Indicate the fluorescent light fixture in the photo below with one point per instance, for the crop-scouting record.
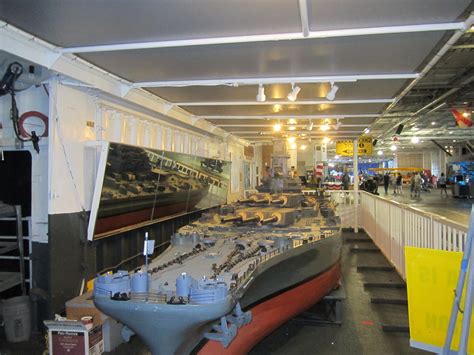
(331, 95)
(277, 127)
(379, 152)
(326, 140)
(393, 147)
(261, 94)
(294, 92)
(415, 140)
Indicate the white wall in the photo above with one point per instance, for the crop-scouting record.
(73, 161)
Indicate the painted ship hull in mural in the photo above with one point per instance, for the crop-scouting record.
(230, 278)
(142, 185)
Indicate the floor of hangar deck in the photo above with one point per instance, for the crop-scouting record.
(454, 209)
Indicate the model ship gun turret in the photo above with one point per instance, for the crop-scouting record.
(206, 283)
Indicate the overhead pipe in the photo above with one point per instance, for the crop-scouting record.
(452, 40)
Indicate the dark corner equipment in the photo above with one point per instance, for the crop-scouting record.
(7, 86)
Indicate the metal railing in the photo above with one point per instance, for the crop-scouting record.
(393, 225)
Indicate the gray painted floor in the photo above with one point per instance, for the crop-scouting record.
(455, 209)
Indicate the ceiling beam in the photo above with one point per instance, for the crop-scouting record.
(296, 116)
(282, 102)
(369, 31)
(292, 125)
(303, 7)
(274, 80)
(326, 133)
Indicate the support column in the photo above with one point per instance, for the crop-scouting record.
(356, 185)
(117, 123)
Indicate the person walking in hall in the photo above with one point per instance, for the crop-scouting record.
(418, 182)
(386, 182)
(346, 180)
(393, 182)
(412, 185)
(399, 182)
(442, 184)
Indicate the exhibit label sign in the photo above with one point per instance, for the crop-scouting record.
(346, 148)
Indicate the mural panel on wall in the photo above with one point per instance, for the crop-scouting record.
(143, 185)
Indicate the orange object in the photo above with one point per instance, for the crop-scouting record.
(270, 314)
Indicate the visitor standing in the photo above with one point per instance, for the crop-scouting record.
(393, 182)
(345, 181)
(399, 183)
(412, 185)
(386, 182)
(442, 184)
(418, 182)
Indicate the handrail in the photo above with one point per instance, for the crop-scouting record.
(435, 216)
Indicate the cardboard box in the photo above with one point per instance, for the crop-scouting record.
(82, 306)
(72, 338)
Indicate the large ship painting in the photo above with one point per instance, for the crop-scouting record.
(145, 184)
(230, 278)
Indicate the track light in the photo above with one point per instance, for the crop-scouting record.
(294, 92)
(326, 140)
(277, 127)
(310, 125)
(367, 130)
(292, 139)
(331, 95)
(337, 125)
(261, 93)
(379, 152)
(393, 147)
(325, 126)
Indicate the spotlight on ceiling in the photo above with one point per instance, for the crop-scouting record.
(310, 125)
(337, 125)
(291, 128)
(292, 139)
(379, 152)
(415, 140)
(326, 140)
(261, 94)
(292, 121)
(393, 147)
(433, 123)
(367, 130)
(331, 95)
(303, 147)
(294, 92)
(277, 127)
(325, 126)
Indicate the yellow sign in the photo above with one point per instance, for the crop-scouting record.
(431, 280)
(346, 148)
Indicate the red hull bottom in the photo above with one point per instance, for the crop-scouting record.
(269, 315)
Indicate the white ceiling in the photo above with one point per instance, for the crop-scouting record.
(281, 41)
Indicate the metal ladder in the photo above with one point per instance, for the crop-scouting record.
(9, 279)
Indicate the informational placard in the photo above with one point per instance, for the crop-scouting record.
(346, 148)
(431, 282)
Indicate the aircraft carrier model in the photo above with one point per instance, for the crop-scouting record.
(230, 278)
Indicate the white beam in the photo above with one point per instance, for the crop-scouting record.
(326, 133)
(303, 6)
(269, 37)
(275, 80)
(283, 102)
(292, 125)
(296, 116)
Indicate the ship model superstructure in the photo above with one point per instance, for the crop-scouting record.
(220, 275)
